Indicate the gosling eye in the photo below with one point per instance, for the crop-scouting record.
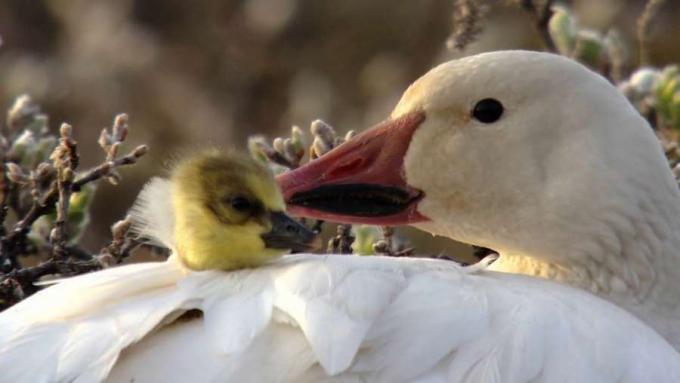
(488, 110)
(242, 204)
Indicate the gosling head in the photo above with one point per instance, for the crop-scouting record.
(229, 213)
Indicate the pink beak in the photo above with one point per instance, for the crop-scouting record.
(360, 181)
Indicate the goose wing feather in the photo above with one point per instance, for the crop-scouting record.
(311, 318)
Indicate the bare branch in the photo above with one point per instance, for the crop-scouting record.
(121, 245)
(644, 26)
(65, 159)
(468, 20)
(4, 198)
(541, 12)
(18, 283)
(342, 242)
(51, 187)
(106, 168)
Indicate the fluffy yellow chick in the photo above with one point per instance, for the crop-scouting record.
(229, 213)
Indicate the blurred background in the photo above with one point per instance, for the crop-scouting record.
(213, 72)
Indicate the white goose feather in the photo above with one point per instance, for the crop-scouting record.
(311, 318)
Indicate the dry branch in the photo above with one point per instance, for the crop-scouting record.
(52, 186)
(541, 12)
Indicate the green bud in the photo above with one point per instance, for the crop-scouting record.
(121, 228)
(323, 131)
(365, 236)
(381, 247)
(21, 113)
(562, 28)
(617, 53)
(120, 128)
(675, 112)
(15, 173)
(320, 146)
(629, 91)
(667, 93)
(44, 172)
(277, 169)
(114, 178)
(140, 151)
(44, 147)
(278, 145)
(338, 141)
(256, 147)
(67, 174)
(23, 148)
(38, 125)
(668, 84)
(66, 130)
(589, 48)
(298, 140)
(289, 151)
(105, 140)
(644, 80)
(40, 230)
(79, 212)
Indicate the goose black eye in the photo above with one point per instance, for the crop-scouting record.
(488, 110)
(241, 204)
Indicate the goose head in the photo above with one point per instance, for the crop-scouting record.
(530, 154)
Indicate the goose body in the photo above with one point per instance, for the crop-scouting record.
(569, 184)
(311, 318)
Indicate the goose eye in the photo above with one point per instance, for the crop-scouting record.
(488, 110)
(241, 204)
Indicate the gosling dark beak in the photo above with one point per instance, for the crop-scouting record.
(287, 233)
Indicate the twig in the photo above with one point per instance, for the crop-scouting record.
(46, 204)
(51, 187)
(26, 276)
(342, 242)
(10, 293)
(325, 139)
(388, 235)
(7, 260)
(288, 152)
(468, 19)
(77, 252)
(121, 245)
(618, 55)
(105, 168)
(644, 24)
(40, 207)
(541, 15)
(18, 283)
(65, 159)
(4, 199)
(387, 246)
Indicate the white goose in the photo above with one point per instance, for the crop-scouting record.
(528, 153)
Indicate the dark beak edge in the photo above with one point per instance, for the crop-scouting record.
(286, 233)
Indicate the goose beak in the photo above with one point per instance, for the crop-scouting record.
(360, 181)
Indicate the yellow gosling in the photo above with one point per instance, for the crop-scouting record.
(229, 213)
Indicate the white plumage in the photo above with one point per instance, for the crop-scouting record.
(311, 318)
(611, 252)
